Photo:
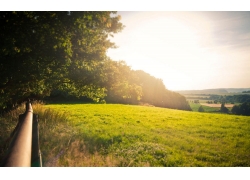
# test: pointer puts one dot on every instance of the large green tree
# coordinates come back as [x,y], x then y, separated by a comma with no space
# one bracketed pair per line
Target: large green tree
[154,92]
[42,51]
[121,82]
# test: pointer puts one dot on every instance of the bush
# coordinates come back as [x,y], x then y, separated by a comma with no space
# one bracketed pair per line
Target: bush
[243,109]
[223,108]
[201,109]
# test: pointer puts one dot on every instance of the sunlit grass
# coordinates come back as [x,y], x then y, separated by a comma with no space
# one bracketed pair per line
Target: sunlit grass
[150,136]
[53,130]
[126,135]
[195,107]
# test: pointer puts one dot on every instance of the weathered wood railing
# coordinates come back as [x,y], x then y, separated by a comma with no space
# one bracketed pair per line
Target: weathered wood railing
[24,150]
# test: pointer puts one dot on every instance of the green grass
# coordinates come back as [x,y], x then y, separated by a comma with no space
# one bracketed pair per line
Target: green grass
[195,107]
[126,135]
[150,136]
[53,129]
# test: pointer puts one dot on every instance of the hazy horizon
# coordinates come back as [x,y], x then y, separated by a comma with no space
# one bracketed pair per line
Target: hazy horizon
[187,50]
[210,89]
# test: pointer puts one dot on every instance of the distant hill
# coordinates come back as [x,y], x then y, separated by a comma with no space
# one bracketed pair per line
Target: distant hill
[237,90]
[214,91]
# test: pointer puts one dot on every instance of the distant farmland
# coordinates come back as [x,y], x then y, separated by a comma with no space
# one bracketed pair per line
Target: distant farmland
[216,105]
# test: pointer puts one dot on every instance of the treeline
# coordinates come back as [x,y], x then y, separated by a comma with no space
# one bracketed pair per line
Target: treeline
[127,86]
[242,109]
[63,54]
[155,93]
[46,51]
[231,99]
[241,98]
[245,91]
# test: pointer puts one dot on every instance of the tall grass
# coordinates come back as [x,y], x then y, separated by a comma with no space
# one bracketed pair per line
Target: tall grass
[60,143]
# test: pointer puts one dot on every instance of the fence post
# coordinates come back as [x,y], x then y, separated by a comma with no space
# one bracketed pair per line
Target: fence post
[36,157]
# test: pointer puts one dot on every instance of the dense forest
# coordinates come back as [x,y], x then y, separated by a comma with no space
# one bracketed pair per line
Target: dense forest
[56,55]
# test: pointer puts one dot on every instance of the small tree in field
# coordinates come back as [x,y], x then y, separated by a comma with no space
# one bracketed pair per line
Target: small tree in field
[223,108]
[201,109]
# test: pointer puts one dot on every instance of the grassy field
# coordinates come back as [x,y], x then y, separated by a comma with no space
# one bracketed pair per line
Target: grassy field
[213,108]
[126,135]
[217,105]
[149,136]
[195,107]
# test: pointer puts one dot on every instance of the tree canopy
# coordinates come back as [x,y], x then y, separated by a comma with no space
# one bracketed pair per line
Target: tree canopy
[223,108]
[42,51]
[201,109]
[155,93]
[242,109]
[63,54]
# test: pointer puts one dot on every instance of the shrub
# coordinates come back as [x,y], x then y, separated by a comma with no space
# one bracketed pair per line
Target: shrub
[223,108]
[201,109]
[243,109]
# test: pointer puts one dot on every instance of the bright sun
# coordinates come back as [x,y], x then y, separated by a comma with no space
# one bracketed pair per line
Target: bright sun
[169,49]
[175,48]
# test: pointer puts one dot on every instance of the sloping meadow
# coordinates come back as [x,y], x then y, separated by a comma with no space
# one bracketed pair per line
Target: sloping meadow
[125,135]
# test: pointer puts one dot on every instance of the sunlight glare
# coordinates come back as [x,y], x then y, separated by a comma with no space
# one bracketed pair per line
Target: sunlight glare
[175,46]
[187,50]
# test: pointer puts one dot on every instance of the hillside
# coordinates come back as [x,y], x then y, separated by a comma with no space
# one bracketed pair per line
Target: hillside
[214,91]
[125,135]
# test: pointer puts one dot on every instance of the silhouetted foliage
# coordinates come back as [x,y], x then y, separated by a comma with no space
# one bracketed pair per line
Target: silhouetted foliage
[245,91]
[223,108]
[126,86]
[242,109]
[201,109]
[235,98]
[63,55]
[196,101]
[44,51]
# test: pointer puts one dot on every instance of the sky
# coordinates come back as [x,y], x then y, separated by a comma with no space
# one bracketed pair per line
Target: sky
[188,50]
[189,44]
